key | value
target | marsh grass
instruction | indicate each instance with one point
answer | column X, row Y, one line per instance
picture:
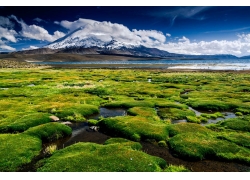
column 129, row 104
column 50, row 149
column 174, row 113
column 193, row 119
column 239, row 124
column 28, row 96
column 180, row 128
column 25, row 122
column 197, row 146
column 49, row 131
column 174, row 168
column 76, row 112
column 124, row 142
column 114, row 157
column 17, row 150
column 241, row 139
column 134, row 127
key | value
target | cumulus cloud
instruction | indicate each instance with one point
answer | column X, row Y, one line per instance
column 184, row 39
column 239, row 47
column 5, row 22
column 8, row 34
column 5, row 47
column 37, row 32
column 106, row 31
column 30, row 48
column 76, row 24
column 39, row 20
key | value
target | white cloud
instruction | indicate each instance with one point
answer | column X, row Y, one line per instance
column 5, row 47
column 8, row 34
column 237, row 47
column 107, row 31
column 5, row 22
column 39, row 20
column 37, row 32
column 184, row 39
column 76, row 24
column 30, row 48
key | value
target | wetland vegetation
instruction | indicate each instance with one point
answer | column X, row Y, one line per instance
column 30, row 97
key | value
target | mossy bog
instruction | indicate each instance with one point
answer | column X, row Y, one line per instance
column 29, row 97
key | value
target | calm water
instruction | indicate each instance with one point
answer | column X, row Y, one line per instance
column 226, row 64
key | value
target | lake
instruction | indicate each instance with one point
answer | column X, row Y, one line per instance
column 222, row 64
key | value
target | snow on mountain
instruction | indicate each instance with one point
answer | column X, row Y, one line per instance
column 80, row 38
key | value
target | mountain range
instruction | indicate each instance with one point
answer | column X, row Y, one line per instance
column 81, row 44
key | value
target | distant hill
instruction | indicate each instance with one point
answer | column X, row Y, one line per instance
column 78, row 46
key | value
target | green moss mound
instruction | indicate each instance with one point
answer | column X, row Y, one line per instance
column 240, row 124
column 17, row 150
column 49, row 131
column 174, row 113
column 142, row 111
column 135, row 128
column 211, row 104
column 27, row 121
column 241, row 139
column 91, row 157
column 124, row 142
column 180, row 128
column 193, row 119
column 198, row 146
column 76, row 112
column 168, row 104
column 129, row 104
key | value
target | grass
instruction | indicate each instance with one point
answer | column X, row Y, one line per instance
column 25, row 122
column 129, row 104
column 134, row 127
column 29, row 96
column 16, row 150
column 175, row 129
column 114, row 157
column 239, row 123
column 76, row 113
column 144, row 111
column 125, row 142
column 174, row 113
column 197, row 146
column 241, row 139
column 50, row 149
column 174, row 168
column 49, row 131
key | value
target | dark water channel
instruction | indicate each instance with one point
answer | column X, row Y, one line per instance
column 227, row 115
column 81, row 132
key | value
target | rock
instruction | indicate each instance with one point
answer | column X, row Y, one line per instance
column 94, row 128
column 54, row 118
column 66, row 123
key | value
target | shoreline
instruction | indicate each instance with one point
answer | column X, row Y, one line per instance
column 157, row 67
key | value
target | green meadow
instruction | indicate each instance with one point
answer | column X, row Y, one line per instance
column 28, row 97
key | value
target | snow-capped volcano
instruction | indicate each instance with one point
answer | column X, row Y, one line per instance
column 81, row 38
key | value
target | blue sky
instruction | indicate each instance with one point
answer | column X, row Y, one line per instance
column 178, row 29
